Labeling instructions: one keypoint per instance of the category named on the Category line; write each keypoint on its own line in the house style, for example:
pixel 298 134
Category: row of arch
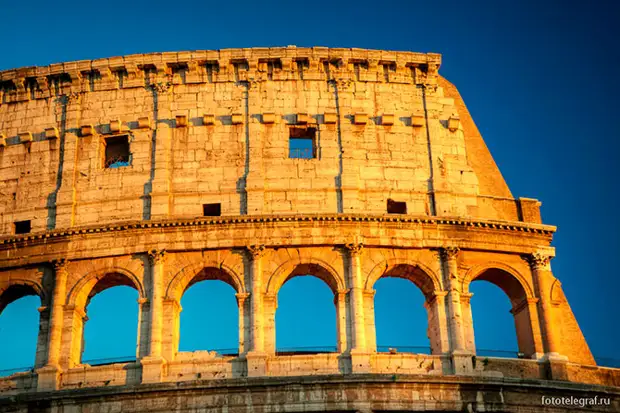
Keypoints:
pixel 425 279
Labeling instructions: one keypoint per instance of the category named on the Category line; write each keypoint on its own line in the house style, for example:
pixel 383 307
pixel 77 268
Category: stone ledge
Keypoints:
pixel 245 219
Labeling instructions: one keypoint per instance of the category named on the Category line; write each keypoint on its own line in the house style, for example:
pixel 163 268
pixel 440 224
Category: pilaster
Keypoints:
pixel 153 364
pixel 360 359
pixel 256 357
pixel 540 265
pixel 49 375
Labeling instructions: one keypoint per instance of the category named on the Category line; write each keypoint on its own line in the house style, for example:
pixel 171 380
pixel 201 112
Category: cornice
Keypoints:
pixel 465 223
pixel 213 66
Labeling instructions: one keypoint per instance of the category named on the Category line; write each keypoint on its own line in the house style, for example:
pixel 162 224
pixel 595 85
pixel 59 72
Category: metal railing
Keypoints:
pixel 286 351
pixel 301 153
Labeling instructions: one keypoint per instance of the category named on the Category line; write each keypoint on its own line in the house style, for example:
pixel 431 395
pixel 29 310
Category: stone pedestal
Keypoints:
pixel 360 362
pixel 462 362
pixel 153 369
pixel 555 366
pixel 257 363
pixel 48 378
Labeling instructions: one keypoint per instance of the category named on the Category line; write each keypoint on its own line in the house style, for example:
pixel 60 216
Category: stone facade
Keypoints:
pixel 396 182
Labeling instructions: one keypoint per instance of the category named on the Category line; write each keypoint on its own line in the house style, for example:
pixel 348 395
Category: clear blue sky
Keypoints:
pixel 540 79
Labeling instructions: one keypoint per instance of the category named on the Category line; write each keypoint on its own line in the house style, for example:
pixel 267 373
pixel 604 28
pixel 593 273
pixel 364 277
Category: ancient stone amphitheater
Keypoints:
pixel 253 166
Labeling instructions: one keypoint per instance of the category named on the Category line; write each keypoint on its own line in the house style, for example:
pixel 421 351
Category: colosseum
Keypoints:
pixel 253 166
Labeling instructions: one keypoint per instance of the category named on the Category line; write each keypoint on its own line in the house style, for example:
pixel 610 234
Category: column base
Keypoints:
pixel 462 362
pixel 360 361
pixel 555 366
pixel 153 369
pixel 257 363
pixel 48 378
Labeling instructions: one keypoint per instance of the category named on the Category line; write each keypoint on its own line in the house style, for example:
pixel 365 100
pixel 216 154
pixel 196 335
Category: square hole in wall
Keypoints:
pixel 395 207
pixel 212 210
pixel 302 143
pixel 23 227
pixel 117 151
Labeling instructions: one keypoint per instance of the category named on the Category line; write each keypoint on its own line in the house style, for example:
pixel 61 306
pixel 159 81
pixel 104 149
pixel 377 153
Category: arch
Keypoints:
pixel 18 288
pixel 516 287
pixel 304 266
pixel 200 271
pixel 520 293
pixel 101 279
pixel 422 276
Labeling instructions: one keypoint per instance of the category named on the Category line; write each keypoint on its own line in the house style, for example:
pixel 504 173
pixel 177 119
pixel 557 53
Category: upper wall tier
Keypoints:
pixel 242 131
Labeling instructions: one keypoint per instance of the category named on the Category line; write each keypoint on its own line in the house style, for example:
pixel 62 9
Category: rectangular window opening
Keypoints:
pixel 23 227
pixel 395 207
pixel 302 143
pixel 212 210
pixel 117 152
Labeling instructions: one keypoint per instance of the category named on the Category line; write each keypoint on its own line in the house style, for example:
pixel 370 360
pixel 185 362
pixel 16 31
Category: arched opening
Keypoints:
pixel 400 317
pixel 209 320
pixel 19 328
pixel 500 315
pixel 404 322
pixel 111 322
pixel 306 316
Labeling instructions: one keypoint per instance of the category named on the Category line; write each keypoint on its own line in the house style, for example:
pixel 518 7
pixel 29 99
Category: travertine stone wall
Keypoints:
pixel 213 127
pixel 388 127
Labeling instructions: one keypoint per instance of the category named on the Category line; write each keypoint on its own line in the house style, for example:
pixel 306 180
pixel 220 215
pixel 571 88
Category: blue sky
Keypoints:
pixel 540 79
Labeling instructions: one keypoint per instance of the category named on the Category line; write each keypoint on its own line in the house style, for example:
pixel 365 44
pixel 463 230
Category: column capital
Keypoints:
pixel 449 253
pixel 355 248
pixel 466 297
pixel 60 264
pixel 157 256
pixel 538 260
pixel 241 297
pixel 256 251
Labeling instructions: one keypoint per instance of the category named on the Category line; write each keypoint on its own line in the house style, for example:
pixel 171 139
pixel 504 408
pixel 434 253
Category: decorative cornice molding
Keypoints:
pixel 537 229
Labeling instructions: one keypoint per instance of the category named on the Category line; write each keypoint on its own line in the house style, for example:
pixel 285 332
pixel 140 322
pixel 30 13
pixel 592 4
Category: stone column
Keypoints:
pixel 360 359
pixel 357 297
pixel 468 322
pixel 543 278
pixel 541 272
pixel 461 357
pixel 156 259
pixel 152 365
pixel 49 375
pixel 438 323
pixel 340 301
pixel 369 320
pixel 256 357
pixel 241 303
pixel 455 319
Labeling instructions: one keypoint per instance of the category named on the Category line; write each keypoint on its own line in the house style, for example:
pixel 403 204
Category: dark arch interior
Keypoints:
pixel 210 317
pixel 306 315
pixel 110 280
pixel 314 270
pixel 507 282
pixel 212 273
pixel 414 274
pixel 13 293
